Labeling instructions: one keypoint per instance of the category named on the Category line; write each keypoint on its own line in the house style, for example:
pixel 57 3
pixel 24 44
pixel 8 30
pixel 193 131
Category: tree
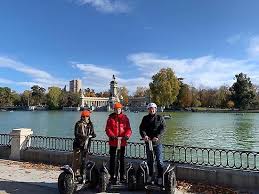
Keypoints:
pixel 69 99
pixel 230 104
pixel 242 91
pixel 5 96
pixel 164 87
pixel 124 92
pixel 184 98
pixel 141 92
pixel 38 94
pixel 16 98
pixel 53 97
pixel 26 98
pixel 222 97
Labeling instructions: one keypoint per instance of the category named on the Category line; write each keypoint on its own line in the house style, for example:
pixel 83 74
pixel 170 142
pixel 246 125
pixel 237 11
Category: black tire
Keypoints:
pixel 95 179
pixel 170 183
pixel 140 180
pixel 132 182
pixel 103 182
pixel 66 183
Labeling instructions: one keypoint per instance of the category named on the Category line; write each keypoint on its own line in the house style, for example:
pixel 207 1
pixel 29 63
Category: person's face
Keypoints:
pixel 118 110
pixel 152 110
pixel 85 118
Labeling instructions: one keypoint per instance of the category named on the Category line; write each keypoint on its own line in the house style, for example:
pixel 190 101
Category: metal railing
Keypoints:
pixel 233 159
pixel 5 140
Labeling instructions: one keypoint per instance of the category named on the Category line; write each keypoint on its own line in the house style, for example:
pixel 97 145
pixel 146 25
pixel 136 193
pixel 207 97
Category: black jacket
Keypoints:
pixel 152 126
pixel 82 131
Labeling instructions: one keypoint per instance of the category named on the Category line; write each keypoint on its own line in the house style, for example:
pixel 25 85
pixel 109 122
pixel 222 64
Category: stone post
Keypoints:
pixel 19 137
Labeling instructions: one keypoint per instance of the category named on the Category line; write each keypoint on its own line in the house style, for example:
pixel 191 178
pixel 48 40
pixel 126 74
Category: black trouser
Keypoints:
pixel 113 171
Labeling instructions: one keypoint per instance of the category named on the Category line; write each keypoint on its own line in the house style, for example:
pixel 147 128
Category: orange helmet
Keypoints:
pixel 85 113
pixel 117 105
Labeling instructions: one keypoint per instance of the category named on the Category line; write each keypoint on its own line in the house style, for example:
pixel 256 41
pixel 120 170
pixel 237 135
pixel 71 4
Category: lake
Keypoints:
pixel 216 130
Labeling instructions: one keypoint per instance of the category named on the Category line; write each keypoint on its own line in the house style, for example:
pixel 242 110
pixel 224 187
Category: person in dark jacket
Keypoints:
pixel 83 129
pixel 152 127
pixel 117 126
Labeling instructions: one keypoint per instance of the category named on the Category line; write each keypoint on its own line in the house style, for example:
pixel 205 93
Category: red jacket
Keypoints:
pixel 118 126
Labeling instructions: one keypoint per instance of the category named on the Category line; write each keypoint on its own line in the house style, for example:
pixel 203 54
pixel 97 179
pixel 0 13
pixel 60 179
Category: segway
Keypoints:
pixel 168 179
pixel 69 182
pixel 105 182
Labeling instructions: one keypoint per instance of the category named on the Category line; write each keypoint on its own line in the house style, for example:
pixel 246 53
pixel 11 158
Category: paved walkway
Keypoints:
pixel 16 178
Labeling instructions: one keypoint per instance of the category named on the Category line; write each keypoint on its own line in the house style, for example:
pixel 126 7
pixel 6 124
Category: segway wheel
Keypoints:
pixel 132 182
pixel 140 180
pixel 66 183
pixel 95 179
pixel 170 183
pixel 103 182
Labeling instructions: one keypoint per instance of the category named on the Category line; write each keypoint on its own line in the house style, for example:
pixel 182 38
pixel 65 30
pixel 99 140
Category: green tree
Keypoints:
pixel 164 87
pixel 5 96
pixel 38 94
pixel 243 92
pixel 26 98
pixel 69 99
pixel 53 97
pixel 16 98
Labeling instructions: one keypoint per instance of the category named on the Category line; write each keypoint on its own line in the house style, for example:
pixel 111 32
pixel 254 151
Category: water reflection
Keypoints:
pixel 244 131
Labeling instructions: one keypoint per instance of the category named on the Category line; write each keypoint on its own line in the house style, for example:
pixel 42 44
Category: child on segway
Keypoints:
pixel 83 173
pixel 83 129
pixel 117 126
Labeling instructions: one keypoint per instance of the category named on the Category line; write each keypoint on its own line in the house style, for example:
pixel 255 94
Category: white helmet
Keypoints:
pixel 151 105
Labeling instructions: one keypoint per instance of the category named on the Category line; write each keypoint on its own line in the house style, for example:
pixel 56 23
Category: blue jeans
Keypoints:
pixel 158 152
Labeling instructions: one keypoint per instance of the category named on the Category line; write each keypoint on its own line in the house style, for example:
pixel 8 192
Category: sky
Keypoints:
pixel 51 42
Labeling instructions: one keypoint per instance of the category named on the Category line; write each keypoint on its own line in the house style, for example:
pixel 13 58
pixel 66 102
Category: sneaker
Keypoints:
pixel 149 179
pixel 159 181
pixel 113 180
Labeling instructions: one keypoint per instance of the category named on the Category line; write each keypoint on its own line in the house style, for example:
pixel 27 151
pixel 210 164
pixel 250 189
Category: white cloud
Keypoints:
pixel 253 48
pixel 39 77
pixel 98 78
pixel 234 39
pixel 5 81
pixel 207 71
pixel 95 70
pixel 107 6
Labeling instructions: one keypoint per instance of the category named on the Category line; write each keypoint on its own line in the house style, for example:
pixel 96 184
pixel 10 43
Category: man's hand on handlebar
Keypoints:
pixel 94 135
pixel 155 139
pixel 125 138
pixel 146 138
pixel 113 138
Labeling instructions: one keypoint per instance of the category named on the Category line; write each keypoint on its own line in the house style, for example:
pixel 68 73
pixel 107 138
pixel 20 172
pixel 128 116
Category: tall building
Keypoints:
pixel 75 85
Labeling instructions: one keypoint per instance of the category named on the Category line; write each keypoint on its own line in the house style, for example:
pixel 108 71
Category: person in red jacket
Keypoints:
pixel 117 126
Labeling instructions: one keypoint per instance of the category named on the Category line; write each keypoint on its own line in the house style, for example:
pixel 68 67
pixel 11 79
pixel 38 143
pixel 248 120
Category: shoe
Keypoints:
pixel 113 180
pixel 149 179
pixel 160 181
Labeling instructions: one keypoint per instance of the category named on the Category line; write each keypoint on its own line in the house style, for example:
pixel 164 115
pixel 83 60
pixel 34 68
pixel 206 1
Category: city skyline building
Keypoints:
pixel 75 85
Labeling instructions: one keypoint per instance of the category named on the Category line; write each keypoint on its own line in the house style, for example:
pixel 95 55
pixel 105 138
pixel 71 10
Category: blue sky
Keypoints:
pixel 53 41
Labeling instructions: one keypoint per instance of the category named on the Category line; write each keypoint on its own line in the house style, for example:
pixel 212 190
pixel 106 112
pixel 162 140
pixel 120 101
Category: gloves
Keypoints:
pixel 125 138
pixel 113 138
pixel 94 135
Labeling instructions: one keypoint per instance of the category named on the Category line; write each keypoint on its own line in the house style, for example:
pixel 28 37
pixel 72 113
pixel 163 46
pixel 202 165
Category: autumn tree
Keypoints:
pixel 124 93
